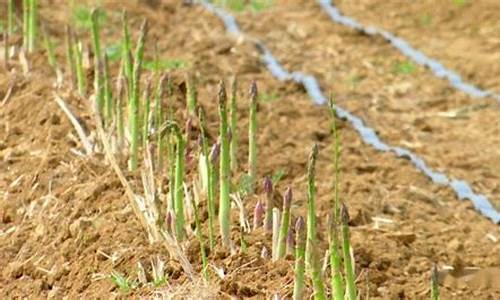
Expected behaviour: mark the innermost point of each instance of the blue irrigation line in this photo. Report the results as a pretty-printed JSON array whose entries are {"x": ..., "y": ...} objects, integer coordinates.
[
  {"x": 461, "y": 188},
  {"x": 438, "y": 69}
]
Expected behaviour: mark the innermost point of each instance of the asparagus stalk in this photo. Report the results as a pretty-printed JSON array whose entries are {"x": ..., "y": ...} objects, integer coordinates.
[
  {"x": 285, "y": 223},
  {"x": 70, "y": 57},
  {"x": 276, "y": 230},
  {"x": 134, "y": 98},
  {"x": 49, "y": 47},
  {"x": 80, "y": 73},
  {"x": 311, "y": 199},
  {"x": 210, "y": 186},
  {"x": 258, "y": 215},
  {"x": 336, "y": 160},
  {"x": 179, "y": 179},
  {"x": 252, "y": 136},
  {"x": 300, "y": 256},
  {"x": 268, "y": 190},
  {"x": 97, "y": 60},
  {"x": 199, "y": 236},
  {"x": 335, "y": 262},
  {"x": 10, "y": 17},
  {"x": 120, "y": 123},
  {"x": 224, "y": 180},
  {"x": 127, "y": 52},
  {"x": 108, "y": 96},
  {"x": 159, "y": 119},
  {"x": 145, "y": 116},
  {"x": 348, "y": 264},
  {"x": 335, "y": 258},
  {"x": 33, "y": 23},
  {"x": 233, "y": 112},
  {"x": 319, "y": 288},
  {"x": 26, "y": 24},
  {"x": 434, "y": 283},
  {"x": 191, "y": 94}
]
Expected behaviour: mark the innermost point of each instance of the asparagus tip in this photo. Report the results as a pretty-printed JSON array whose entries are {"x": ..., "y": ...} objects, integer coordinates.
[
  {"x": 287, "y": 199},
  {"x": 268, "y": 185},
  {"x": 344, "y": 213},
  {"x": 253, "y": 91}
]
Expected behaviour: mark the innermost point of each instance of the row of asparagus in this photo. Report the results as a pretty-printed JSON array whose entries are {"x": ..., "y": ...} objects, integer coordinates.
[{"x": 147, "y": 125}]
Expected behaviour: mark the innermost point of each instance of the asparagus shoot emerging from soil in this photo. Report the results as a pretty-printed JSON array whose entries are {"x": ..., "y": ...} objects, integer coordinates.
[
  {"x": 199, "y": 236},
  {"x": 158, "y": 110},
  {"x": 285, "y": 223},
  {"x": 134, "y": 98},
  {"x": 268, "y": 190},
  {"x": 258, "y": 215},
  {"x": 191, "y": 94},
  {"x": 10, "y": 17},
  {"x": 97, "y": 59},
  {"x": 348, "y": 263},
  {"x": 311, "y": 198},
  {"x": 145, "y": 115},
  {"x": 335, "y": 262},
  {"x": 108, "y": 96},
  {"x": 252, "y": 136},
  {"x": 179, "y": 180},
  {"x": 434, "y": 284},
  {"x": 318, "y": 286},
  {"x": 80, "y": 73},
  {"x": 300, "y": 256},
  {"x": 224, "y": 172},
  {"x": 70, "y": 57},
  {"x": 120, "y": 123},
  {"x": 210, "y": 178},
  {"x": 336, "y": 160},
  {"x": 127, "y": 52},
  {"x": 276, "y": 231},
  {"x": 233, "y": 114},
  {"x": 49, "y": 47},
  {"x": 26, "y": 23}
]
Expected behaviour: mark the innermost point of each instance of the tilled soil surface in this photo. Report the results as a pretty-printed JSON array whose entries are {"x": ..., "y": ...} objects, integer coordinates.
[
  {"x": 461, "y": 34},
  {"x": 66, "y": 225}
]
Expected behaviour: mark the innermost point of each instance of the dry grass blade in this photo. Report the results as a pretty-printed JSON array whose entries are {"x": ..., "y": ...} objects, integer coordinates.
[
  {"x": 79, "y": 129},
  {"x": 170, "y": 243}
]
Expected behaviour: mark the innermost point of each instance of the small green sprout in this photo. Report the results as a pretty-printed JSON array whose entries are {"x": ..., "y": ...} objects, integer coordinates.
[
  {"x": 123, "y": 283},
  {"x": 405, "y": 68}
]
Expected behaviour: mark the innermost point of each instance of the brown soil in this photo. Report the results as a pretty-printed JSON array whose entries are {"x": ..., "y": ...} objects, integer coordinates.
[
  {"x": 461, "y": 34},
  {"x": 65, "y": 223}
]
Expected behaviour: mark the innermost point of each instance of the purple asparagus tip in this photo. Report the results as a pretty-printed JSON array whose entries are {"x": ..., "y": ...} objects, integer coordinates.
[
  {"x": 253, "y": 91},
  {"x": 222, "y": 94},
  {"x": 344, "y": 214},
  {"x": 214, "y": 153},
  {"x": 258, "y": 215},
  {"x": 287, "y": 199},
  {"x": 268, "y": 185},
  {"x": 299, "y": 225}
]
